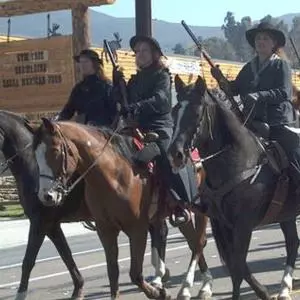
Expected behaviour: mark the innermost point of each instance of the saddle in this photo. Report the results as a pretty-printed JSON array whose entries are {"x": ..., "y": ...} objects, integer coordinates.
[
  {"x": 152, "y": 151},
  {"x": 277, "y": 159}
]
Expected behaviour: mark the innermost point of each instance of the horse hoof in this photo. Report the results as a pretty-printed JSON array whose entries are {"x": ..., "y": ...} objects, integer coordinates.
[
  {"x": 183, "y": 297},
  {"x": 286, "y": 297},
  {"x": 77, "y": 295},
  {"x": 203, "y": 295},
  {"x": 166, "y": 277},
  {"x": 21, "y": 296},
  {"x": 165, "y": 295},
  {"x": 156, "y": 285}
]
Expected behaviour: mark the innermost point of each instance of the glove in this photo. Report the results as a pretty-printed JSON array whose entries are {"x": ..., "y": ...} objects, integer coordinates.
[
  {"x": 131, "y": 109},
  {"x": 252, "y": 98},
  {"x": 216, "y": 73}
]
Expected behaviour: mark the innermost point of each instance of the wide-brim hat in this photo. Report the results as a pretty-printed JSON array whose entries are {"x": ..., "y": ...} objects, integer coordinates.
[
  {"x": 276, "y": 34},
  {"x": 140, "y": 38},
  {"x": 91, "y": 54}
]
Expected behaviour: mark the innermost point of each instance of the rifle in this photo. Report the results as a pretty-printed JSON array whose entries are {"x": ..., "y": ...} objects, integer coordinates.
[
  {"x": 227, "y": 91},
  {"x": 121, "y": 83},
  {"x": 295, "y": 49},
  {"x": 119, "y": 121}
]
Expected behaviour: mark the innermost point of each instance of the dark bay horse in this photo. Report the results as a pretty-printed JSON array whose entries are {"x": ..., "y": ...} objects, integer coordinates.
[
  {"x": 238, "y": 188},
  {"x": 16, "y": 139}
]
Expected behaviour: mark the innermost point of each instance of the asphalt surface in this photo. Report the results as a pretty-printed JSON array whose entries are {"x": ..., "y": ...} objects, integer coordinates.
[{"x": 50, "y": 279}]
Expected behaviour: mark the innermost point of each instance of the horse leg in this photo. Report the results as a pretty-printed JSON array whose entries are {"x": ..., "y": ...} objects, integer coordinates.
[
  {"x": 188, "y": 232},
  {"x": 58, "y": 238},
  {"x": 159, "y": 233},
  {"x": 201, "y": 241},
  {"x": 196, "y": 238},
  {"x": 138, "y": 239},
  {"x": 35, "y": 239},
  {"x": 240, "y": 269},
  {"x": 109, "y": 239},
  {"x": 289, "y": 230},
  {"x": 259, "y": 289}
]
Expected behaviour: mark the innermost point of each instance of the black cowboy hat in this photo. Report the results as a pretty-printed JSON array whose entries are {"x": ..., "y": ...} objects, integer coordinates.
[
  {"x": 91, "y": 54},
  {"x": 141, "y": 38},
  {"x": 277, "y": 34}
]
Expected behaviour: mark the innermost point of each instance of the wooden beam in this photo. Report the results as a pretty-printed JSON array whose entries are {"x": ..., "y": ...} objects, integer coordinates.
[
  {"x": 9, "y": 8},
  {"x": 81, "y": 35},
  {"x": 143, "y": 17}
]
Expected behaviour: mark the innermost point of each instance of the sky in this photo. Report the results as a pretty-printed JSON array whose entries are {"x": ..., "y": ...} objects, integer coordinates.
[{"x": 204, "y": 13}]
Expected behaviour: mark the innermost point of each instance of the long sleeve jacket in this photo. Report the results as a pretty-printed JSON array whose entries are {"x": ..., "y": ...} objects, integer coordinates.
[
  {"x": 92, "y": 98},
  {"x": 273, "y": 84},
  {"x": 151, "y": 88}
]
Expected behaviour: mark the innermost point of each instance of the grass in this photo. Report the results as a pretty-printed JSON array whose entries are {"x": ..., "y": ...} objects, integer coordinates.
[{"x": 11, "y": 211}]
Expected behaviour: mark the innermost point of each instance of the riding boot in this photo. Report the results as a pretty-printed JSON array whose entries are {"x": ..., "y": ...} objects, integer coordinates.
[
  {"x": 149, "y": 153},
  {"x": 294, "y": 170},
  {"x": 183, "y": 188}
]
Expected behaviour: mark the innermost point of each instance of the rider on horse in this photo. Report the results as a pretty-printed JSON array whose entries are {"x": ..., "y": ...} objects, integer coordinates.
[
  {"x": 265, "y": 86},
  {"x": 150, "y": 103},
  {"x": 91, "y": 97}
]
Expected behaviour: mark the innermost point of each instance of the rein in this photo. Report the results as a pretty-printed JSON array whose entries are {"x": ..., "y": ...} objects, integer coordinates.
[{"x": 67, "y": 190}]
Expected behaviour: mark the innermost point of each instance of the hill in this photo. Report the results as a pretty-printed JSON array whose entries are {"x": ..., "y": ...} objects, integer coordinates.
[{"x": 103, "y": 26}]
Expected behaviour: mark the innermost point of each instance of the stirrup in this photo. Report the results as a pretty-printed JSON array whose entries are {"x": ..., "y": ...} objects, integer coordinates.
[
  {"x": 150, "y": 137},
  {"x": 186, "y": 218}
]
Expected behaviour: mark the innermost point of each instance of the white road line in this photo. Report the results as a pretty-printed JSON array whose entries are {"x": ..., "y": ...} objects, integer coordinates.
[
  {"x": 90, "y": 267},
  {"x": 77, "y": 253},
  {"x": 104, "y": 263}
]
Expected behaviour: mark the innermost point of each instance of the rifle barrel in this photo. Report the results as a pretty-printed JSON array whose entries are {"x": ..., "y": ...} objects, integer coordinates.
[{"x": 111, "y": 57}]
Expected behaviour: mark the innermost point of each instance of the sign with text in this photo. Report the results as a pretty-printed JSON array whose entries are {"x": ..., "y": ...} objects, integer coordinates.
[
  {"x": 178, "y": 65},
  {"x": 36, "y": 75}
]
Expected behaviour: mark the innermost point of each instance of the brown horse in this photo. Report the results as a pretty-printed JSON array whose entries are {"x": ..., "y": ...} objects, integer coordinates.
[{"x": 66, "y": 149}]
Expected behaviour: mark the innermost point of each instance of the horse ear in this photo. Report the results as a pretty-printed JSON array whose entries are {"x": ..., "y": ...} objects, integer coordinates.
[
  {"x": 49, "y": 126},
  {"x": 179, "y": 84},
  {"x": 200, "y": 85}
]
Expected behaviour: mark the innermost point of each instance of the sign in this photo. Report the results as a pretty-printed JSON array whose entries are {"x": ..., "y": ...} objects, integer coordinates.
[
  {"x": 36, "y": 75},
  {"x": 183, "y": 66}
]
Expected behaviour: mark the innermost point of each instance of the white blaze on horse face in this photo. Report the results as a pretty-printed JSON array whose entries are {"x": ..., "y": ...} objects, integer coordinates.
[
  {"x": 181, "y": 110},
  {"x": 45, "y": 181}
]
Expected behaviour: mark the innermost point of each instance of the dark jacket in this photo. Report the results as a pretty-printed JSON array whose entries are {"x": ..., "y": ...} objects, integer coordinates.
[
  {"x": 274, "y": 88},
  {"x": 91, "y": 97},
  {"x": 151, "y": 88}
]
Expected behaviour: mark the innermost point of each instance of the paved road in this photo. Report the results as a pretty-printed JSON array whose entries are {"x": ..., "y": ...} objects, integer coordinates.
[{"x": 50, "y": 279}]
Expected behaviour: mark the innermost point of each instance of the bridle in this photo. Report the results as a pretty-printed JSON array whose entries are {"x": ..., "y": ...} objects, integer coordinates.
[{"x": 60, "y": 183}]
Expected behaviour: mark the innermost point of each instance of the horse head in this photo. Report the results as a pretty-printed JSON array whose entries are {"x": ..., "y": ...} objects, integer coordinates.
[
  {"x": 188, "y": 112},
  {"x": 57, "y": 158}
]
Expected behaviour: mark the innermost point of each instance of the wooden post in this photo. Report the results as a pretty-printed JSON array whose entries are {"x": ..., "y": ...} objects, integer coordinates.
[
  {"x": 81, "y": 36},
  {"x": 143, "y": 17}
]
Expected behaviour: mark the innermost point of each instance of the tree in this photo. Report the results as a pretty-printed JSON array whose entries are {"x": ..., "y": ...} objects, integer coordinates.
[
  {"x": 219, "y": 48},
  {"x": 295, "y": 36},
  {"x": 179, "y": 49},
  {"x": 235, "y": 34}
]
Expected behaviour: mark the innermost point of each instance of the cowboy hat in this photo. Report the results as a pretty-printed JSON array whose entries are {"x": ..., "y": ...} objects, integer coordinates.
[
  {"x": 91, "y": 54},
  {"x": 276, "y": 34},
  {"x": 140, "y": 38}
]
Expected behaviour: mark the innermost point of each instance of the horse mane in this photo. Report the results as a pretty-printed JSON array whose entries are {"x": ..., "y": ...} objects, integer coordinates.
[
  {"x": 236, "y": 132},
  {"x": 122, "y": 144},
  {"x": 15, "y": 116}
]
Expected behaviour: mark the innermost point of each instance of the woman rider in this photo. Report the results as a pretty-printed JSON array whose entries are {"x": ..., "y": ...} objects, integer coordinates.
[
  {"x": 91, "y": 97},
  {"x": 265, "y": 84},
  {"x": 149, "y": 97}
]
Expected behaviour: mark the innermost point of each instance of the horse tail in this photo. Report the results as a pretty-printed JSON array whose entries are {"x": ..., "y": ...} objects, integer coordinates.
[{"x": 224, "y": 240}]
